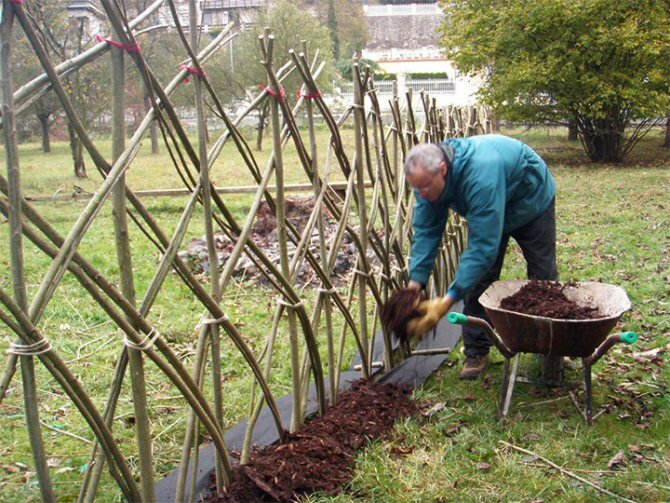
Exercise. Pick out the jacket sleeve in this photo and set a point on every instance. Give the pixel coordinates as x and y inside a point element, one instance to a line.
<point>485,219</point>
<point>428,224</point>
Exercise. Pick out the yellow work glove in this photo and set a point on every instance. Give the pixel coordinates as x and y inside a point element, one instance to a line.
<point>431,313</point>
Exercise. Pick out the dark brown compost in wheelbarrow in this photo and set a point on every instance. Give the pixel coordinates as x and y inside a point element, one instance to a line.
<point>546,298</point>
<point>319,458</point>
<point>548,334</point>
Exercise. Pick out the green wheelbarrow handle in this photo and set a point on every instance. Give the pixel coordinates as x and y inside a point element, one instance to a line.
<point>462,319</point>
<point>457,318</point>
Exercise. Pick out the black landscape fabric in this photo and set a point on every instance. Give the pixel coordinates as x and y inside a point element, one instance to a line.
<point>410,372</point>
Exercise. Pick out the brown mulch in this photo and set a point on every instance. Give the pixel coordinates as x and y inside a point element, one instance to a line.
<point>546,298</point>
<point>319,458</point>
<point>398,310</point>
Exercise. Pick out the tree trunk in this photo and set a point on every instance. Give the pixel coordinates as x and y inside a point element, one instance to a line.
<point>572,130</point>
<point>666,140</point>
<point>153,128</point>
<point>602,140</point>
<point>77,151</point>
<point>44,125</point>
<point>262,115</point>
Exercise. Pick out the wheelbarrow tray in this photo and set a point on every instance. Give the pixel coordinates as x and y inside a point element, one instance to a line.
<point>525,333</point>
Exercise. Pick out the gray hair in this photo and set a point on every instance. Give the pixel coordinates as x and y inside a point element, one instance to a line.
<point>428,156</point>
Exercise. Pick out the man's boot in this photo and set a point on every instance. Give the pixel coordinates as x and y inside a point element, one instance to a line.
<point>474,366</point>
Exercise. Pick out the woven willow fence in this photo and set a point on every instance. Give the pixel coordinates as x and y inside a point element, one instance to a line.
<point>374,212</point>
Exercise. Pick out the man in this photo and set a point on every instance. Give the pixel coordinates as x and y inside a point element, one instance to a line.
<point>503,188</point>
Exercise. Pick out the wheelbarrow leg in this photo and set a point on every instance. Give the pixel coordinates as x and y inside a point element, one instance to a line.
<point>586,370</point>
<point>503,388</point>
<point>509,378</point>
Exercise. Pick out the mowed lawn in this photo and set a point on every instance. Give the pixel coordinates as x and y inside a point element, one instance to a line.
<point>613,227</point>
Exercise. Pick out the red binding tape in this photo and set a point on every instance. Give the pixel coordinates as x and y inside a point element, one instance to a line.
<point>308,96</point>
<point>134,47</point>
<point>278,96</point>
<point>193,70</point>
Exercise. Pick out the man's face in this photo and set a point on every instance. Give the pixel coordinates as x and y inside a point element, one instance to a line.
<point>429,185</point>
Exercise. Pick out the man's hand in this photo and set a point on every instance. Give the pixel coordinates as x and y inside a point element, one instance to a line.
<point>432,311</point>
<point>415,285</point>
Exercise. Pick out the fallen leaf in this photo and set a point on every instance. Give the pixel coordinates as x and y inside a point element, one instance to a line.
<point>454,429</point>
<point>531,436</point>
<point>53,462</point>
<point>618,461</point>
<point>434,409</point>
<point>26,476</point>
<point>469,396</point>
<point>638,459</point>
<point>10,468</point>
<point>484,467</point>
<point>65,469</point>
<point>401,450</point>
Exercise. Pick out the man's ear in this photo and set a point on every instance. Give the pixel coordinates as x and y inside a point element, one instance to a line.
<point>443,168</point>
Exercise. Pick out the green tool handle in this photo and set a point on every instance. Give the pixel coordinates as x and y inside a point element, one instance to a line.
<point>457,318</point>
<point>462,319</point>
<point>628,337</point>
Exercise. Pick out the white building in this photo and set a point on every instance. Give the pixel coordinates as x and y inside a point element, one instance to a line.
<point>89,13</point>
<point>404,40</point>
<point>210,13</point>
<point>214,13</point>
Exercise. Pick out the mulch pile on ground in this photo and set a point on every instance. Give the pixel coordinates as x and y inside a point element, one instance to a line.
<point>319,458</point>
<point>546,298</point>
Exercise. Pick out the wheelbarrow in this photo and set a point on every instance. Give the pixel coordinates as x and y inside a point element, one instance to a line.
<point>517,333</point>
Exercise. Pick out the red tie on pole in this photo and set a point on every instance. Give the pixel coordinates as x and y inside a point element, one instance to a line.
<point>134,47</point>
<point>193,70</point>
<point>308,96</point>
<point>278,96</point>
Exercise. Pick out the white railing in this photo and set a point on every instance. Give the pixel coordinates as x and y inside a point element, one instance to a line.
<point>431,86</point>
<point>412,9</point>
<point>395,54</point>
<point>233,4</point>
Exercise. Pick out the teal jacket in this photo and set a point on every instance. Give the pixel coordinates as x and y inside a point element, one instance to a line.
<point>498,184</point>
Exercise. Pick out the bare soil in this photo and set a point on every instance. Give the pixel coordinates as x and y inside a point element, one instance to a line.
<point>546,298</point>
<point>264,235</point>
<point>319,458</point>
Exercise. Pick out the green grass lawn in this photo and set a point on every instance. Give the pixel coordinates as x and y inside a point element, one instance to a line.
<point>613,226</point>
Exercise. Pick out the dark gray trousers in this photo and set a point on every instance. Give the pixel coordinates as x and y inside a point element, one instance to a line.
<point>537,240</point>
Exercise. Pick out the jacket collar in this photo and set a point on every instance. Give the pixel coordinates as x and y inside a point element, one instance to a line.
<point>447,194</point>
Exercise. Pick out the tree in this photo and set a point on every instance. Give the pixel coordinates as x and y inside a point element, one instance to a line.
<point>346,22</point>
<point>46,107</point>
<point>63,38</point>
<point>332,26</point>
<point>236,76</point>
<point>599,63</point>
